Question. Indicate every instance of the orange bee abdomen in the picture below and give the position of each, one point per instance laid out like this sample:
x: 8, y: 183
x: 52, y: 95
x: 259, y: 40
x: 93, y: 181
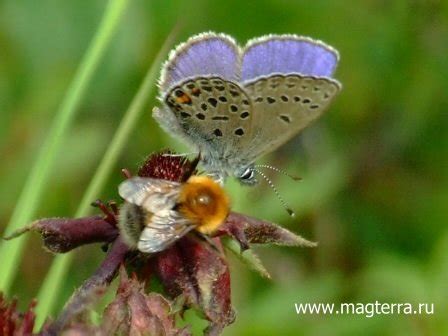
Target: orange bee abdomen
x: 204, y: 203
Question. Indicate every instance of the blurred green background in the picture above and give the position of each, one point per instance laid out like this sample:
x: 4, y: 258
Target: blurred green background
x: 375, y: 167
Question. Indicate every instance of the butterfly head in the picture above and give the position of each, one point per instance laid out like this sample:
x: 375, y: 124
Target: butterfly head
x: 246, y: 175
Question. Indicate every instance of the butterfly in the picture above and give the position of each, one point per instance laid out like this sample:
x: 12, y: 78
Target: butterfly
x: 234, y: 104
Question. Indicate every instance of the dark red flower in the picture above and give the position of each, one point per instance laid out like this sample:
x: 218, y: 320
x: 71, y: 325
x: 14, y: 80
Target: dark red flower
x: 193, y: 270
x: 12, y: 322
x: 167, y: 166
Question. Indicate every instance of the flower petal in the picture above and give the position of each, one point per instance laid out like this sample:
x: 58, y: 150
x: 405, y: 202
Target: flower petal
x: 92, y: 289
x: 61, y: 235
x: 248, y: 230
x: 248, y: 257
x: 199, y: 273
x: 135, y: 313
x: 13, y: 322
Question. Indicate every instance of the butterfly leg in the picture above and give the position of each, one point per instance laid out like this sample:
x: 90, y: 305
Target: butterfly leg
x: 181, y: 154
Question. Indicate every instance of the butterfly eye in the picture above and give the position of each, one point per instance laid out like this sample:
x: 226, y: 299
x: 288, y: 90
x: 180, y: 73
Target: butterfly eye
x: 248, y: 174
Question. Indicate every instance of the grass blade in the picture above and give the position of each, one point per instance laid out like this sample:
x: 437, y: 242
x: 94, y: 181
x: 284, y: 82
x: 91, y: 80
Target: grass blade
x: 11, y: 252
x: 51, y: 287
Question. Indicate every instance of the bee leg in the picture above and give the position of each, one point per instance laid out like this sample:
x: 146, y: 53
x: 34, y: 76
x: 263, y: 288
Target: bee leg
x: 114, y: 207
x: 210, y: 241
x: 109, y: 216
x: 126, y: 173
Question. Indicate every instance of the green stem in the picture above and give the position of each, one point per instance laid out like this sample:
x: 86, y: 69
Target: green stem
x: 54, y: 280
x: 11, y: 252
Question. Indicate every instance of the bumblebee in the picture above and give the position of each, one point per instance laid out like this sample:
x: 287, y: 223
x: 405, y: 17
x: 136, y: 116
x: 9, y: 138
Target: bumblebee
x: 158, y: 212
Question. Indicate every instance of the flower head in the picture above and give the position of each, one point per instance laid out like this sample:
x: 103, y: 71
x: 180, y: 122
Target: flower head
x: 193, y: 269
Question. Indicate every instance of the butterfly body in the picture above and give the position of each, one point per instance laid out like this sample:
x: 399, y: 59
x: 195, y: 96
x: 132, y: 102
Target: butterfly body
x: 236, y: 104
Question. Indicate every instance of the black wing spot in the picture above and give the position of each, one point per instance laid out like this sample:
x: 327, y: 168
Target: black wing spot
x: 326, y: 95
x: 225, y: 118
x: 222, y: 99
x: 284, y: 98
x: 285, y: 118
x: 217, y: 82
x: 270, y: 100
x: 205, y: 82
x: 290, y: 85
x: 245, y: 102
x: 207, y: 88
x: 200, y: 116
x: 191, y: 86
x: 204, y: 106
x: 259, y: 99
x: 316, y: 88
x: 213, y: 101
x: 239, y: 131
x: 220, y: 87
x: 297, y: 99
x: 304, y: 87
x: 179, y: 93
x: 217, y: 132
x: 233, y: 108
x: 234, y: 93
x: 184, y: 114
x: 315, y: 106
x: 244, y: 115
x: 306, y: 101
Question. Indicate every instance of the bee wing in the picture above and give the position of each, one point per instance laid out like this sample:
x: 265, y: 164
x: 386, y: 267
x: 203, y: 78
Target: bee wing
x: 153, y: 195
x: 163, y: 230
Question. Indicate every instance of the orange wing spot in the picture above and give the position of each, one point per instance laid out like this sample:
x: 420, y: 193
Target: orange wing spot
x: 183, y: 99
x: 195, y: 92
x: 204, y: 203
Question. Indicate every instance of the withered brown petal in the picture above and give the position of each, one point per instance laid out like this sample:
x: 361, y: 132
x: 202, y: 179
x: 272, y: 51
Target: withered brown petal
x: 248, y: 230
x: 83, y: 329
x: 135, y: 313
x: 13, y: 322
x: 116, y: 317
x: 198, y: 272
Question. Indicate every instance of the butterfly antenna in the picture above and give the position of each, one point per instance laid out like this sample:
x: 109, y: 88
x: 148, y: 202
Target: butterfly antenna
x: 295, y: 178
x: 282, y: 201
